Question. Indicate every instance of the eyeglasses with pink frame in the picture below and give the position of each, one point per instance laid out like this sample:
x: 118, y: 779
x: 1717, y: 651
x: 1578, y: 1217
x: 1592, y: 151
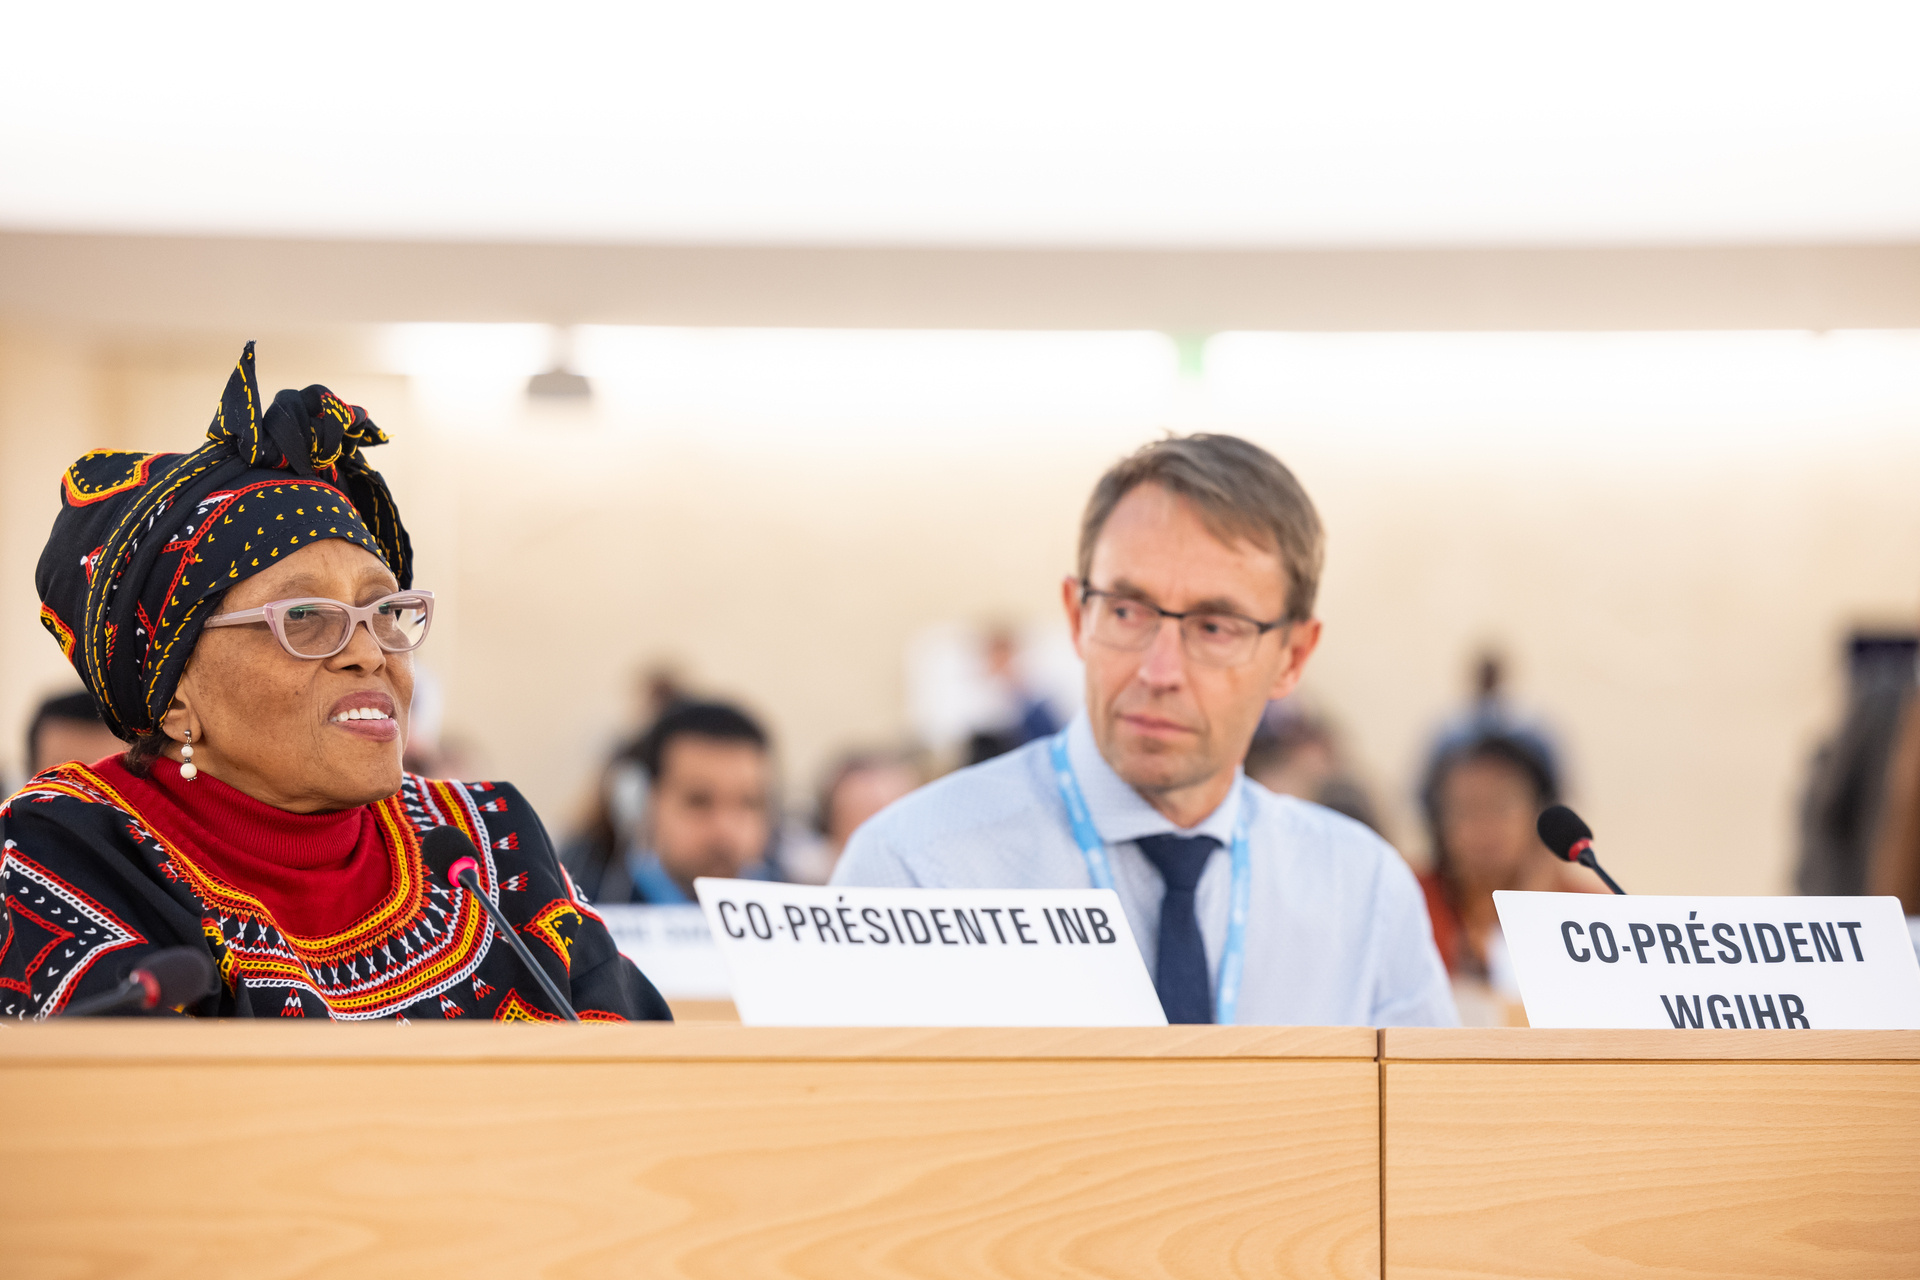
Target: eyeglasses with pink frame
x: 276, y: 616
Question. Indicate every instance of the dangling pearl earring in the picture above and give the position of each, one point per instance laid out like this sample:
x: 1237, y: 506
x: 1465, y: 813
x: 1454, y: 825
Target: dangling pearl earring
x: 188, y: 770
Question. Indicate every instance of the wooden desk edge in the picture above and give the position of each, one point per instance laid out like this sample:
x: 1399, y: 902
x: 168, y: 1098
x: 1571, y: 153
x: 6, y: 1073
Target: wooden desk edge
x: 125, y: 1040
x: 1525, y: 1044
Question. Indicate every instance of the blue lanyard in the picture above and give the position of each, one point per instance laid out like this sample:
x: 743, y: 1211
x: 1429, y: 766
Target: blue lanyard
x: 1226, y: 1000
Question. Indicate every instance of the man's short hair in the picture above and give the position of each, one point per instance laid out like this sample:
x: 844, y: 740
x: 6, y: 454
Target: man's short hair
x: 1241, y: 493
x: 718, y: 720
x: 77, y: 706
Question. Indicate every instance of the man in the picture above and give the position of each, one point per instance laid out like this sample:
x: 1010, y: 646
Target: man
x: 709, y: 801
x: 68, y: 727
x: 1193, y: 608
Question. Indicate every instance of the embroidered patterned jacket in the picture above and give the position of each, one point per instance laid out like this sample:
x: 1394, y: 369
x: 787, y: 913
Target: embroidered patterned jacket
x: 90, y: 886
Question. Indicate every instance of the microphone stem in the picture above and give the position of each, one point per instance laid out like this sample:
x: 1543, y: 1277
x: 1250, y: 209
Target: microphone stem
x: 470, y: 881
x: 127, y: 995
x: 1593, y: 864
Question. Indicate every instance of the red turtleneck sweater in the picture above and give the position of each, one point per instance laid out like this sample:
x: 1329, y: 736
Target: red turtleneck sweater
x: 317, y: 873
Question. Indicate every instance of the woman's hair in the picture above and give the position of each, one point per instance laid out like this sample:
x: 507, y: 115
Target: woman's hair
x: 846, y: 767
x: 1512, y: 750
x: 144, y: 751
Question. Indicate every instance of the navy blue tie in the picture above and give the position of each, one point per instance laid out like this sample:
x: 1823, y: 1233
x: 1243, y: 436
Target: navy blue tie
x: 1180, y: 976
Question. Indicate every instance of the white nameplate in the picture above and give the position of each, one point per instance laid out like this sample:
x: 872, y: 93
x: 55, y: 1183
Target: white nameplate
x: 672, y: 946
x: 1584, y: 960
x: 801, y: 956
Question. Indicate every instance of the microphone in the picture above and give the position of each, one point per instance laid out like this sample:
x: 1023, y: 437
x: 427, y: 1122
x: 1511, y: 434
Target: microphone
x: 164, y: 980
x: 465, y: 874
x: 1571, y: 840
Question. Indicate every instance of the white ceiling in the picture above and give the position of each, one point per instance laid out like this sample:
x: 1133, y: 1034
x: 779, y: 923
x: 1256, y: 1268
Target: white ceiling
x: 990, y: 122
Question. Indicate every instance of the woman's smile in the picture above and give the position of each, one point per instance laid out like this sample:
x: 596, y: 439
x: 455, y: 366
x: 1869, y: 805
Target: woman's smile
x: 366, y: 715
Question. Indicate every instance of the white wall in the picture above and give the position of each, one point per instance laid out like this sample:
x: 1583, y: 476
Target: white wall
x: 1673, y: 596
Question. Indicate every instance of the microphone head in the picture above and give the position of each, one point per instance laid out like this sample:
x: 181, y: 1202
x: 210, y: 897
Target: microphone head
x: 449, y: 844
x: 1561, y: 830
x: 175, y: 977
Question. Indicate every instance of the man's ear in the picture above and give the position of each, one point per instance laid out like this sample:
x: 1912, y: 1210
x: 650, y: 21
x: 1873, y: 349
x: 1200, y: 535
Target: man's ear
x: 1070, y: 599
x: 1301, y: 639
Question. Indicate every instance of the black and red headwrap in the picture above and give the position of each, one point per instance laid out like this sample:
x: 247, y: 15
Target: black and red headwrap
x: 146, y: 543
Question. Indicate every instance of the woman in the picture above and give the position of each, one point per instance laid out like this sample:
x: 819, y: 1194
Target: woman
x: 860, y: 785
x: 1483, y: 798
x: 244, y: 614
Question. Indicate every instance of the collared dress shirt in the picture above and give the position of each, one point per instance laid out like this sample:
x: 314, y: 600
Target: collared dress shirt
x: 1337, y: 930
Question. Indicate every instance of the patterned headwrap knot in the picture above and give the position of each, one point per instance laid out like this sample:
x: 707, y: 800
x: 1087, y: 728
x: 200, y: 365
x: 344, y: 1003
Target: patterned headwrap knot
x: 302, y: 431
x: 146, y: 543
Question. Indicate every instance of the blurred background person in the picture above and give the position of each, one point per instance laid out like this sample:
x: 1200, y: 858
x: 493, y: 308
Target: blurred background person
x: 1491, y: 710
x: 976, y: 691
x: 1028, y: 713
x: 858, y: 786
x: 1015, y: 711
x: 614, y: 811
x: 659, y: 687
x: 1482, y: 799
x: 1297, y: 753
x: 1895, y: 865
x: 706, y: 809
x: 1855, y: 773
x: 596, y: 854
x: 1893, y: 861
x: 67, y: 727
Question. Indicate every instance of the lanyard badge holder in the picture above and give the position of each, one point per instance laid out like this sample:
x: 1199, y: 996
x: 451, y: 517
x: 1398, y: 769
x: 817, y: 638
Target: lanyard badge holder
x: 1093, y: 849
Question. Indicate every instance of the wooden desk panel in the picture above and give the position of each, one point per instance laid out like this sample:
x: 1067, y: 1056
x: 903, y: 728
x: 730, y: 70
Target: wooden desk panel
x: 271, y: 1041
x: 704, y: 1011
x: 1683, y: 1154
x: 154, y: 1151
x: 1520, y: 1044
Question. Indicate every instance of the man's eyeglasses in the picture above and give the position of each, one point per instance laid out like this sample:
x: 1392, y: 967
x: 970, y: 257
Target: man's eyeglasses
x: 316, y: 627
x: 1128, y: 622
